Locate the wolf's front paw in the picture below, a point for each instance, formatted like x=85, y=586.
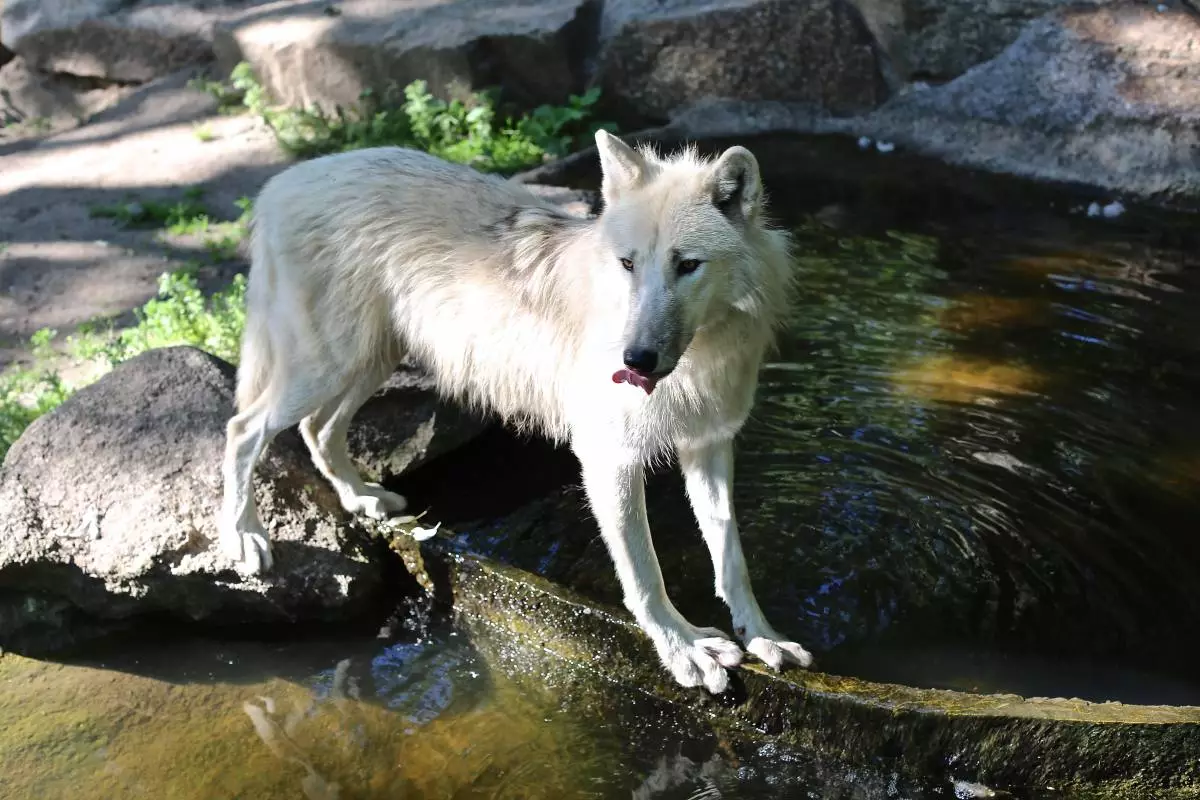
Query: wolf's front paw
x=249, y=550
x=772, y=649
x=376, y=502
x=697, y=656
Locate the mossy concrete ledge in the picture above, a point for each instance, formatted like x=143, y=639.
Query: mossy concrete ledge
x=1110, y=750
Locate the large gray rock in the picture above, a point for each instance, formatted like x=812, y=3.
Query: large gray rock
x=405, y=424
x=108, y=511
x=306, y=55
x=1106, y=97
x=34, y=103
x=656, y=56
x=118, y=40
x=937, y=40
x=1103, y=99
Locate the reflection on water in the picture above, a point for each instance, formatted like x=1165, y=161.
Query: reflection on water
x=972, y=442
x=454, y=715
x=967, y=441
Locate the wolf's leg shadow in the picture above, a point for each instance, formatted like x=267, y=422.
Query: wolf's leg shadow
x=614, y=480
x=708, y=474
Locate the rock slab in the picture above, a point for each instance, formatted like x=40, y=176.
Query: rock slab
x=114, y=40
x=108, y=511
x=307, y=55
x=656, y=57
x=1108, y=97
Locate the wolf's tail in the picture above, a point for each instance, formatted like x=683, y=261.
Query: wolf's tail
x=257, y=358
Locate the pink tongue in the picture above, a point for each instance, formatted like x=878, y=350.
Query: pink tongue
x=644, y=382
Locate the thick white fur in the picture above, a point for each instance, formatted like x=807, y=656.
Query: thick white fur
x=515, y=308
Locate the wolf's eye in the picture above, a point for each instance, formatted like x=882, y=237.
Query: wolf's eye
x=688, y=266
x=627, y=263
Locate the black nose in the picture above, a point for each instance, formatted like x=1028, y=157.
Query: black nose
x=641, y=360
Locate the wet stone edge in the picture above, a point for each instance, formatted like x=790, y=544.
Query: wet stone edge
x=1109, y=750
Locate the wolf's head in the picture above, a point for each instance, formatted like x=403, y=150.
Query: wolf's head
x=674, y=232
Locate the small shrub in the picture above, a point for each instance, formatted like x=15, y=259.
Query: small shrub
x=188, y=215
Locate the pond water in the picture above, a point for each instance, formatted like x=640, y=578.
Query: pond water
x=974, y=462
x=448, y=714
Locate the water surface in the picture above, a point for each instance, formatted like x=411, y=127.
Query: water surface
x=974, y=463
x=452, y=714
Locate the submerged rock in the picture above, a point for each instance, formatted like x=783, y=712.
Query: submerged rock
x=108, y=512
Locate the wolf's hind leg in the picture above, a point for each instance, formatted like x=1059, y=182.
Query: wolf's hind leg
x=708, y=473
x=284, y=401
x=324, y=432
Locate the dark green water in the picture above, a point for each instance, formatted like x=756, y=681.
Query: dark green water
x=445, y=715
x=974, y=464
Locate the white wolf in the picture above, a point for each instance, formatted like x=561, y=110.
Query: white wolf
x=628, y=335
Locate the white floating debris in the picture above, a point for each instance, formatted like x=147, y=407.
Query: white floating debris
x=1094, y=210
x=885, y=147
x=421, y=534
x=864, y=143
x=1113, y=209
x=966, y=790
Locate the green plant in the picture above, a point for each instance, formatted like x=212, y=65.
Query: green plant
x=469, y=132
x=28, y=392
x=204, y=133
x=181, y=314
x=188, y=215
x=224, y=238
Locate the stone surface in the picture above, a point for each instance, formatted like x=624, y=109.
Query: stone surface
x=1005, y=740
x=1100, y=100
x=656, y=57
x=108, y=511
x=1106, y=97
x=34, y=103
x=405, y=424
x=305, y=55
x=945, y=38
x=116, y=40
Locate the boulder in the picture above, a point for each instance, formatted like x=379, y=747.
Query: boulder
x=108, y=512
x=657, y=57
x=36, y=103
x=405, y=424
x=1103, y=101
x=306, y=54
x=116, y=40
x=1104, y=97
x=938, y=40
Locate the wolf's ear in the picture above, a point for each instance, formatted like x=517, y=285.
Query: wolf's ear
x=621, y=165
x=736, y=185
